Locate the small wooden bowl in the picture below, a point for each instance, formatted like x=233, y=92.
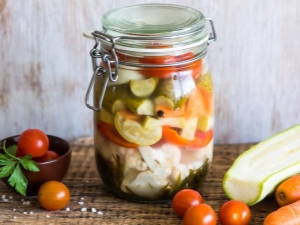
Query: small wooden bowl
x=51, y=170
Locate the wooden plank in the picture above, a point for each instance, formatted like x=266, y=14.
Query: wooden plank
x=45, y=65
x=86, y=186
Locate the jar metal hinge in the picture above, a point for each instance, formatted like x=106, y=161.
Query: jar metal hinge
x=109, y=59
x=213, y=34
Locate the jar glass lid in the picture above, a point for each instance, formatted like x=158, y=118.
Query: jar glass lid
x=153, y=20
x=135, y=28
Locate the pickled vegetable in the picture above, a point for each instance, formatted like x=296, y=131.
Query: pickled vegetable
x=134, y=132
x=143, y=88
x=154, y=135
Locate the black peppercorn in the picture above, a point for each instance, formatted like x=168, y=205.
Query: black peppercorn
x=160, y=113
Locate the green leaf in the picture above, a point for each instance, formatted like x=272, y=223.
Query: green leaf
x=7, y=170
x=2, y=156
x=29, y=164
x=27, y=157
x=10, y=166
x=18, y=180
x=4, y=162
x=12, y=150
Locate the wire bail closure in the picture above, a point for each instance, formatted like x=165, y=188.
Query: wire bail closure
x=109, y=59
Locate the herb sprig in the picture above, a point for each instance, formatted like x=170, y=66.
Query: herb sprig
x=11, y=166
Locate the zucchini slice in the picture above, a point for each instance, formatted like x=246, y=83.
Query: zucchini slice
x=259, y=170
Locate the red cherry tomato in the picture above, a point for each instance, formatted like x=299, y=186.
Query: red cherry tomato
x=34, y=142
x=184, y=199
x=194, y=68
x=201, y=214
x=234, y=212
x=50, y=155
x=18, y=153
x=158, y=59
x=53, y=195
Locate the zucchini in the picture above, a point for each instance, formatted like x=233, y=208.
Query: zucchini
x=143, y=88
x=259, y=170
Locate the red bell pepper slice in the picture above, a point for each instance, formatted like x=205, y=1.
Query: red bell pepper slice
x=201, y=139
x=111, y=133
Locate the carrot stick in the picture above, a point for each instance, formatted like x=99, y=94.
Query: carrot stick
x=288, y=191
x=286, y=215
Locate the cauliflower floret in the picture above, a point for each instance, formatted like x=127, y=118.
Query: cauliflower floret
x=146, y=184
x=161, y=160
x=192, y=159
x=180, y=171
x=133, y=160
x=167, y=155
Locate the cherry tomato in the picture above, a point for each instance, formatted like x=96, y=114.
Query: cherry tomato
x=194, y=68
x=158, y=59
x=111, y=133
x=201, y=139
x=201, y=214
x=50, y=155
x=34, y=142
x=53, y=195
x=184, y=199
x=234, y=212
x=160, y=72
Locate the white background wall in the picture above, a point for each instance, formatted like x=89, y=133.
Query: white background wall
x=45, y=65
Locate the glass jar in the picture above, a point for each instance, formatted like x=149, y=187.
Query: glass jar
x=153, y=100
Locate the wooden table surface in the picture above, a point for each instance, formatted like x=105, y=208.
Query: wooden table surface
x=88, y=192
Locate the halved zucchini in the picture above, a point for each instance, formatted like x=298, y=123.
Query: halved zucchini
x=257, y=171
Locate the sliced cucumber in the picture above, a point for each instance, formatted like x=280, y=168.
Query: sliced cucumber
x=164, y=101
x=114, y=106
x=140, y=106
x=170, y=90
x=106, y=116
x=135, y=132
x=125, y=74
x=257, y=171
x=112, y=100
x=143, y=88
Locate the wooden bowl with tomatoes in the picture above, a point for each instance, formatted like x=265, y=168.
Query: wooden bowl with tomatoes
x=28, y=162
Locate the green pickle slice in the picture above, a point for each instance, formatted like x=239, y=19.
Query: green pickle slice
x=112, y=100
x=137, y=132
x=143, y=88
x=140, y=106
